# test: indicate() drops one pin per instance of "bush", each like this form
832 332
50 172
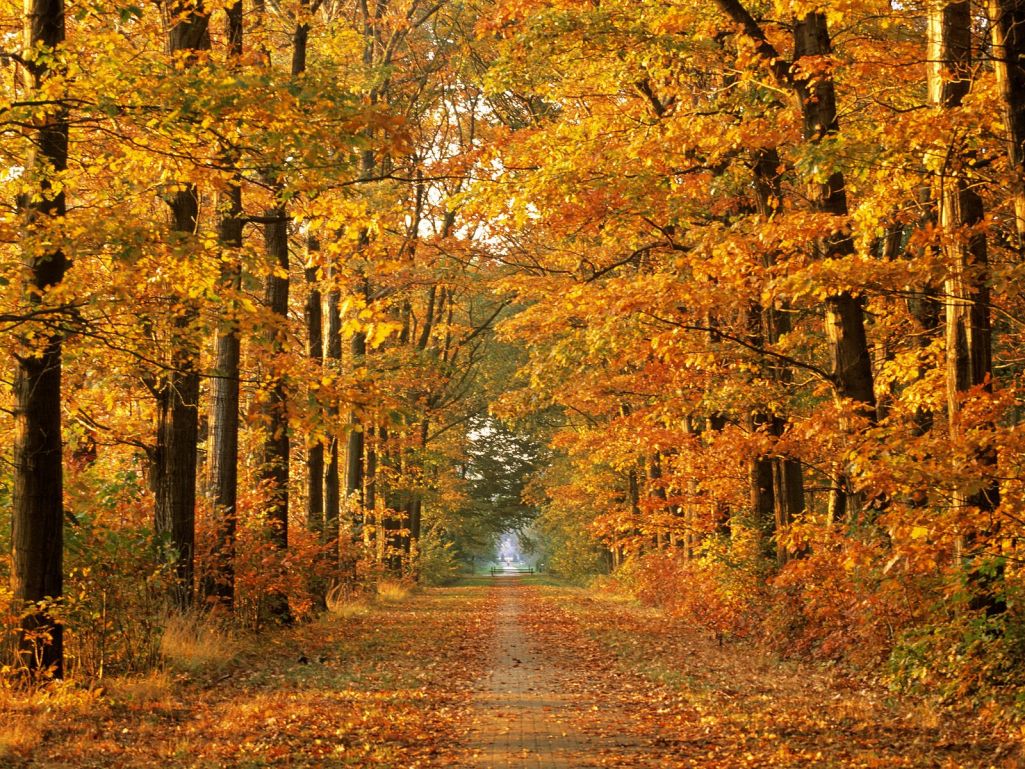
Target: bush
720 590
964 657
438 563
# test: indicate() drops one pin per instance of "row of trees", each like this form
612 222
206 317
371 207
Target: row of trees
751 272
234 281
777 250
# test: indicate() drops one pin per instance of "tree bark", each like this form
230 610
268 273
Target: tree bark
355 446
969 362
844 318
276 448
777 482
333 357
314 316
845 321
816 92
37 535
224 388
178 394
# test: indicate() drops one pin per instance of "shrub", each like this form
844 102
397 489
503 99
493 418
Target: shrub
438 563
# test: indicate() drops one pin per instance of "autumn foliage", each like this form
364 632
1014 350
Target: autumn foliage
721 298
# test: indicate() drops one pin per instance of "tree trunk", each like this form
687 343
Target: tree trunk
354 449
224 412
966 307
657 490
845 321
276 448
777 504
37 534
314 316
722 515
332 481
1007 18
815 89
178 393
844 318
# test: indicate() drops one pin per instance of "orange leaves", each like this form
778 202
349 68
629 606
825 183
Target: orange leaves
383 688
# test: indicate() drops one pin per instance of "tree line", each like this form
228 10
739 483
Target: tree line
751 271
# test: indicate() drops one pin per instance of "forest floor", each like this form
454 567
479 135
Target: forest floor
510 672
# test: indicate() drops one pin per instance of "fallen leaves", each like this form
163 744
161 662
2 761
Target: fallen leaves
385 689
415 684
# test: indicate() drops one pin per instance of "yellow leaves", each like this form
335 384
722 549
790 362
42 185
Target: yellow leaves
378 332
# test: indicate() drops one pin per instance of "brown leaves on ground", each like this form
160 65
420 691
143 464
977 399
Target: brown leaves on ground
688 702
393 687
383 689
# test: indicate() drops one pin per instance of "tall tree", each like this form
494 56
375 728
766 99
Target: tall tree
38 518
1007 21
816 93
333 361
178 388
777 482
314 316
969 363
224 412
274 469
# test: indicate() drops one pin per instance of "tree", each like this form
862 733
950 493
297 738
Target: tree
967 298
851 372
178 388
1007 22
225 383
38 504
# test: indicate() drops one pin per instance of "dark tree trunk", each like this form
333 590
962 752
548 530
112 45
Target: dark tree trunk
815 89
777 482
395 501
178 390
276 448
354 452
224 388
721 513
657 490
38 505
332 481
844 318
845 321
415 507
177 434
314 317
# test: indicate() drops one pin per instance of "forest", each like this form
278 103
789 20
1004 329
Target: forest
716 304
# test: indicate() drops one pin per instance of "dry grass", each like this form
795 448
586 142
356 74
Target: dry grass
19 736
342 601
192 641
150 689
392 590
26 713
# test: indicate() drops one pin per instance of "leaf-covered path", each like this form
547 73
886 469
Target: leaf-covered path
577 682
530 711
504 673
